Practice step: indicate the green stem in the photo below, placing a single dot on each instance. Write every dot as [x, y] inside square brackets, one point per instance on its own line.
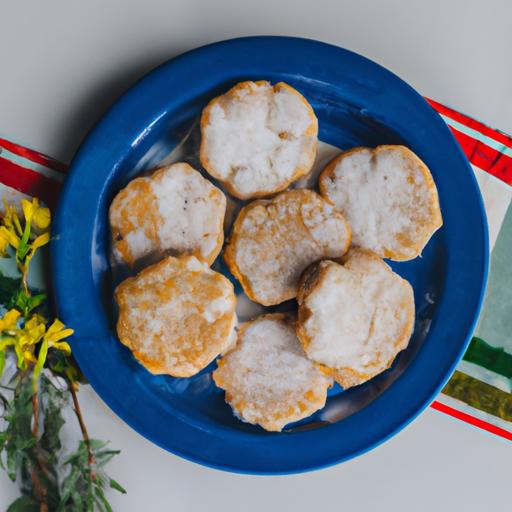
[40, 490]
[23, 248]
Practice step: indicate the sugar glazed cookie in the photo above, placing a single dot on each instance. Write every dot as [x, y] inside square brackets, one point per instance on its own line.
[176, 316]
[354, 318]
[267, 378]
[258, 138]
[388, 196]
[273, 241]
[173, 211]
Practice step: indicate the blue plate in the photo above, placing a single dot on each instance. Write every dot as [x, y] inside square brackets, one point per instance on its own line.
[357, 103]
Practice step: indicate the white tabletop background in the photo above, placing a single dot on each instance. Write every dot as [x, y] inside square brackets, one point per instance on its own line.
[63, 62]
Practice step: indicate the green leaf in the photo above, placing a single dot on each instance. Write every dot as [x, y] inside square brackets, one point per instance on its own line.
[73, 458]
[35, 301]
[9, 287]
[68, 487]
[25, 302]
[105, 457]
[97, 445]
[23, 504]
[102, 500]
[18, 431]
[12, 465]
[20, 300]
[90, 499]
[117, 486]
[23, 248]
[65, 365]
[54, 403]
[2, 361]
[77, 500]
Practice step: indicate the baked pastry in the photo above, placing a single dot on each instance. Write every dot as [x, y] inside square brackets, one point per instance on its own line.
[173, 211]
[354, 318]
[258, 138]
[176, 316]
[388, 196]
[273, 241]
[267, 378]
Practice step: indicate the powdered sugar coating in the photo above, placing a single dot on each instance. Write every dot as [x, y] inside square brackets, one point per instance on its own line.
[355, 318]
[175, 210]
[176, 316]
[267, 377]
[274, 241]
[258, 138]
[388, 196]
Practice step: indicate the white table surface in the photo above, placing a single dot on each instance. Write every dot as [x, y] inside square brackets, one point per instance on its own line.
[64, 61]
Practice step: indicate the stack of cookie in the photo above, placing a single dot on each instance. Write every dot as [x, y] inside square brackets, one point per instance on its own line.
[324, 249]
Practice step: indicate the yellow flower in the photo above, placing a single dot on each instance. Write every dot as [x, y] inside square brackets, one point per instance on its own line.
[27, 338]
[40, 241]
[10, 218]
[42, 218]
[52, 339]
[9, 322]
[9, 237]
[34, 214]
[4, 244]
[29, 357]
[33, 330]
[29, 208]
[56, 332]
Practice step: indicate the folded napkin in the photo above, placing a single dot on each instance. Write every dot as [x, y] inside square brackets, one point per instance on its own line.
[480, 390]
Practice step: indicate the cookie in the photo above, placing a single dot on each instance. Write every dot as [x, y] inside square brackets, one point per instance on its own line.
[176, 316]
[267, 378]
[173, 211]
[257, 138]
[273, 241]
[389, 197]
[354, 318]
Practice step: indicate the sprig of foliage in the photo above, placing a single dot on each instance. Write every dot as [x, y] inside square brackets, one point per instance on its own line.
[44, 382]
[86, 482]
[33, 461]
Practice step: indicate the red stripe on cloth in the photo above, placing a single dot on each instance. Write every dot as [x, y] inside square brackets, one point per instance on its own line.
[484, 425]
[498, 136]
[486, 158]
[29, 182]
[33, 156]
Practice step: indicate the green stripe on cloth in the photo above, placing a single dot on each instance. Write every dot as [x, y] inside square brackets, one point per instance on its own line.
[480, 395]
[491, 358]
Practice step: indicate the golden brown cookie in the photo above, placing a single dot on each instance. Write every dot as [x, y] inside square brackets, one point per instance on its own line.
[354, 318]
[258, 138]
[267, 378]
[273, 241]
[176, 316]
[389, 197]
[175, 210]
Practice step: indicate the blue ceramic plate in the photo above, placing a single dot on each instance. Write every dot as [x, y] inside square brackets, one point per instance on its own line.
[357, 103]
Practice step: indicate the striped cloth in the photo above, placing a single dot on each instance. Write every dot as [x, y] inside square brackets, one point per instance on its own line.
[480, 391]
